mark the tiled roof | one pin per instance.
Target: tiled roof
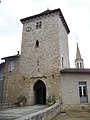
(49, 12)
(76, 70)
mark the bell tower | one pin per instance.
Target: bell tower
(44, 44)
(44, 52)
(78, 61)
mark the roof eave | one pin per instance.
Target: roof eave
(51, 11)
(14, 56)
(76, 71)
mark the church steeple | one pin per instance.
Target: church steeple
(78, 55)
(78, 60)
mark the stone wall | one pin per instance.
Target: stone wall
(44, 62)
(38, 63)
(7, 105)
(13, 88)
(44, 59)
(53, 44)
(1, 90)
(46, 114)
(13, 82)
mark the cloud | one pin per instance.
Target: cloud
(76, 13)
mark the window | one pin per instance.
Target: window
(82, 89)
(62, 62)
(81, 65)
(37, 43)
(10, 67)
(77, 65)
(83, 92)
(39, 25)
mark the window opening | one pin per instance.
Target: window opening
(39, 25)
(83, 92)
(80, 65)
(53, 76)
(62, 62)
(37, 43)
(77, 65)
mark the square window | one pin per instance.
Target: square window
(39, 25)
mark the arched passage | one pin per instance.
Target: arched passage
(40, 92)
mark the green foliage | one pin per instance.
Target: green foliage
(51, 100)
(21, 100)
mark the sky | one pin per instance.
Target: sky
(76, 14)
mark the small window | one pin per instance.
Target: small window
(10, 67)
(77, 65)
(62, 62)
(37, 43)
(80, 65)
(39, 25)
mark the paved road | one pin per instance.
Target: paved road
(73, 116)
(17, 112)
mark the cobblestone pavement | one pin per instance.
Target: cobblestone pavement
(73, 116)
(17, 112)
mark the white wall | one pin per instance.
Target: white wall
(70, 90)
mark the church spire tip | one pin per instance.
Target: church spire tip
(78, 60)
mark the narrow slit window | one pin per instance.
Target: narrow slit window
(80, 65)
(77, 65)
(62, 63)
(37, 43)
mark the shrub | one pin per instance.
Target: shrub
(21, 100)
(51, 100)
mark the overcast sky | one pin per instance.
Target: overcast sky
(76, 13)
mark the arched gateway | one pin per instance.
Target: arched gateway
(40, 92)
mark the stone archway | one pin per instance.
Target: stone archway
(40, 92)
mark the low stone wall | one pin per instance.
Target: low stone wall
(7, 105)
(45, 114)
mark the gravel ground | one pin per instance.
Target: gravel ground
(73, 116)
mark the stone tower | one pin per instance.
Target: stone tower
(44, 52)
(78, 61)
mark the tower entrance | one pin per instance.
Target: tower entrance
(40, 92)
